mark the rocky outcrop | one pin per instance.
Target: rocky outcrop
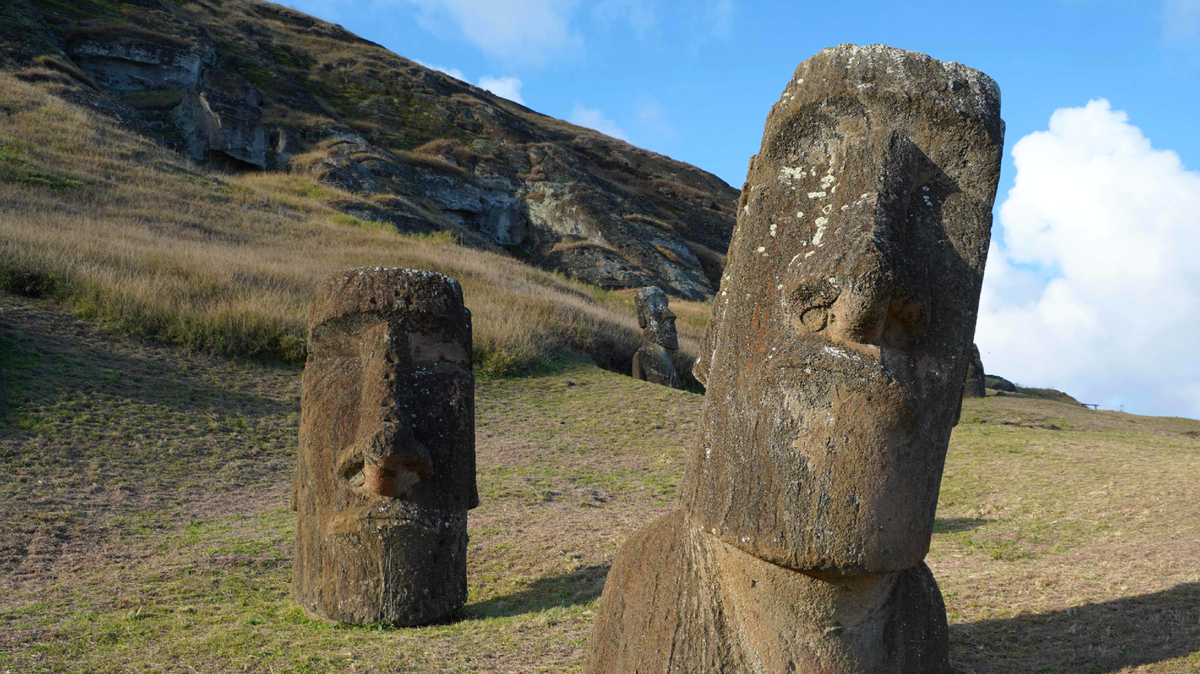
(834, 363)
(246, 85)
(218, 114)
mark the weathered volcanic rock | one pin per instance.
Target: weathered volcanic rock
(653, 362)
(834, 364)
(386, 471)
(974, 386)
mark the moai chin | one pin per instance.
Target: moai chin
(653, 362)
(386, 471)
(834, 366)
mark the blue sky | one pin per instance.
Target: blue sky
(694, 80)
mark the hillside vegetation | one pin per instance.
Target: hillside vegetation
(144, 491)
(133, 236)
(247, 86)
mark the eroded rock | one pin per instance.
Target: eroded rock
(834, 364)
(386, 470)
(654, 361)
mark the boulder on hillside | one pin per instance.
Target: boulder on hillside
(999, 383)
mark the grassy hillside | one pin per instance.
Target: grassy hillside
(144, 491)
(132, 236)
(419, 149)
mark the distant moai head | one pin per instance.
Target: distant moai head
(834, 360)
(386, 471)
(655, 319)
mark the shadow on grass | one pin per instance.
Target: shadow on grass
(563, 590)
(953, 525)
(1093, 638)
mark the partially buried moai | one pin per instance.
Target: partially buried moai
(834, 364)
(386, 471)
(654, 361)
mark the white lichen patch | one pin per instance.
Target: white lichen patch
(816, 195)
(774, 229)
(821, 222)
(809, 254)
(827, 181)
(787, 174)
(761, 249)
(827, 209)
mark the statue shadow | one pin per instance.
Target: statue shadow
(951, 525)
(1096, 638)
(568, 589)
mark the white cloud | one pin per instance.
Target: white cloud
(518, 30)
(452, 72)
(504, 87)
(595, 119)
(1095, 289)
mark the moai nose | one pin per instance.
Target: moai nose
(860, 312)
(392, 459)
(396, 464)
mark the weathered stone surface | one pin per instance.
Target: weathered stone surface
(386, 471)
(654, 361)
(682, 601)
(219, 114)
(132, 64)
(834, 364)
(974, 386)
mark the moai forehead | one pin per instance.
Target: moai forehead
(834, 357)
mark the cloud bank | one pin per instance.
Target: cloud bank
(1095, 288)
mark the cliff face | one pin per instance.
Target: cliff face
(246, 85)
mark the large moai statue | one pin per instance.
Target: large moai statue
(834, 365)
(386, 471)
(975, 386)
(653, 362)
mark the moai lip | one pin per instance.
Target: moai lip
(834, 365)
(386, 471)
(653, 361)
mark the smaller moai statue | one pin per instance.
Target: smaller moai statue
(653, 362)
(975, 386)
(386, 468)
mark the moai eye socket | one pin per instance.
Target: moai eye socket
(814, 319)
(808, 304)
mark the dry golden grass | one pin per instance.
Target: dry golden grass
(136, 238)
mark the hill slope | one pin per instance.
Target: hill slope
(246, 85)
